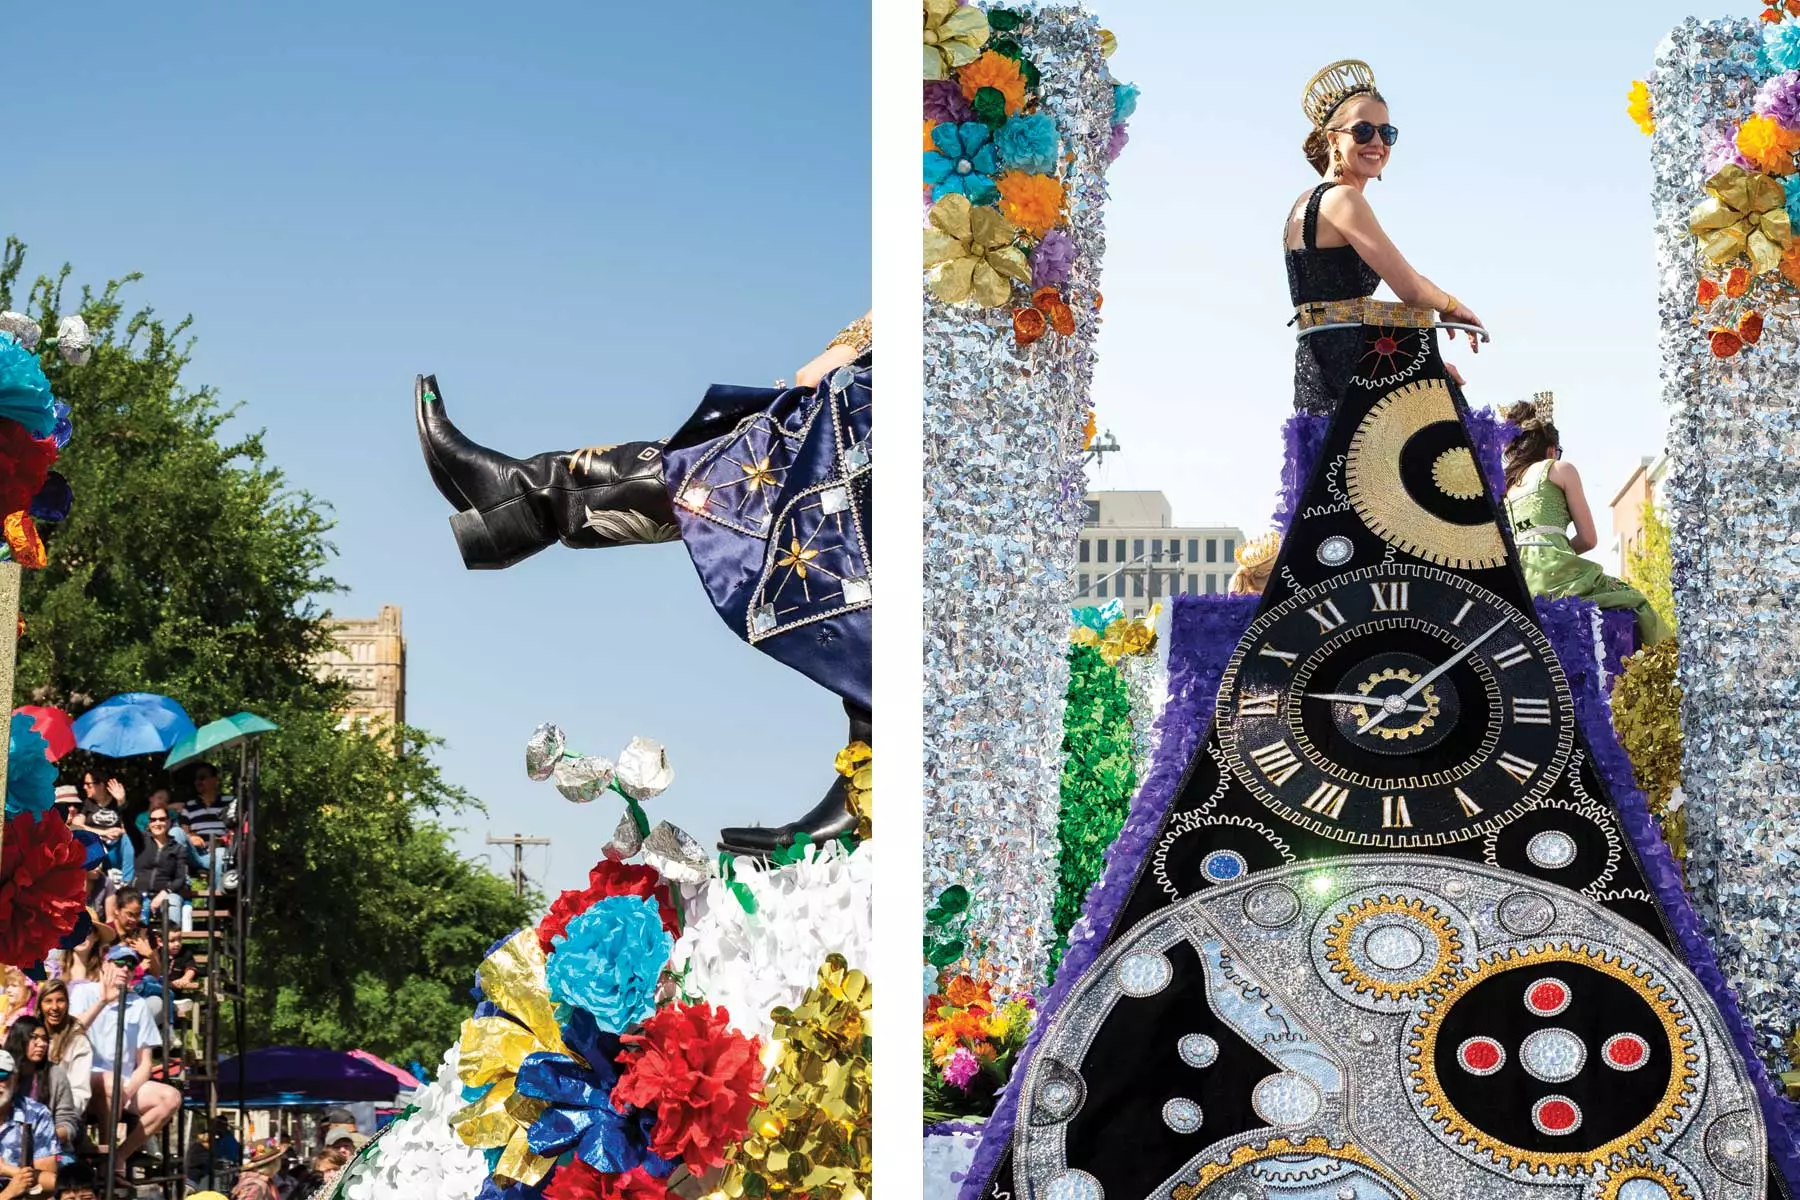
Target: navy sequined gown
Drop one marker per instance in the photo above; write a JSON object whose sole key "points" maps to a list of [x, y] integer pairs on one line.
{"points": [[1324, 361]]}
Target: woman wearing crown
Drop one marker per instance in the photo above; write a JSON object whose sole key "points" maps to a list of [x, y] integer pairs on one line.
{"points": [[1337, 252]]}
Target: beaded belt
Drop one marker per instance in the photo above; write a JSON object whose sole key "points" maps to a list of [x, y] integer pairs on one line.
{"points": [[1363, 311], [1538, 535]]}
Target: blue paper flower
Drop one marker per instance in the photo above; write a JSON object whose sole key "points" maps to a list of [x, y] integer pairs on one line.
{"points": [[1791, 185], [581, 1117], [1781, 46], [963, 162], [64, 428], [30, 775], [24, 392], [53, 500], [1125, 98], [1028, 144], [609, 961]]}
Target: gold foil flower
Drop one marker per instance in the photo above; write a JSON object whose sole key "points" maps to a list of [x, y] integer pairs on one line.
{"points": [[855, 763], [1124, 636], [1744, 212], [810, 1131], [492, 1048], [954, 36], [972, 249]]}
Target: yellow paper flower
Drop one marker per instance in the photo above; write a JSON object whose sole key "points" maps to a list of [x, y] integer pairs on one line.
{"points": [[491, 1050], [1108, 43], [999, 72], [972, 251], [1637, 106], [954, 36], [1744, 212], [1768, 145], [1032, 202], [855, 763]]}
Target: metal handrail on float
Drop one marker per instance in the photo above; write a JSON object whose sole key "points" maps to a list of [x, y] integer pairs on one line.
{"points": [[1472, 330]]}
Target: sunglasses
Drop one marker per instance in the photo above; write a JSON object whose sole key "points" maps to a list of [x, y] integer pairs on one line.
{"points": [[1364, 133]]}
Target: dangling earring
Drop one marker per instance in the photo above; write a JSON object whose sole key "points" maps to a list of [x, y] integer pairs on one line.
{"points": [[1337, 161]]}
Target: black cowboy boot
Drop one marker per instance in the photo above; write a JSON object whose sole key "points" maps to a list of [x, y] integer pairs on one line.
{"points": [[510, 508], [829, 818]]}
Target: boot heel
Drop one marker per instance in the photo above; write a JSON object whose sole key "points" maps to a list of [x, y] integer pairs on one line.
{"points": [[498, 538]]}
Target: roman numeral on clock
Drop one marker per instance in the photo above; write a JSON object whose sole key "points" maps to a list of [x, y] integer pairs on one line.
{"points": [[1391, 596], [1283, 655], [1327, 615], [1328, 800], [1394, 814], [1469, 807], [1512, 656], [1519, 768], [1258, 706], [1277, 762], [1529, 711], [1463, 612]]}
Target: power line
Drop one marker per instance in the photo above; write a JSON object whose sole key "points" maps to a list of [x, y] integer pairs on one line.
{"points": [[518, 842]]}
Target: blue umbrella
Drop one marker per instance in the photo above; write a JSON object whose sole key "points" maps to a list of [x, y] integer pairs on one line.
{"points": [[132, 723], [216, 736]]}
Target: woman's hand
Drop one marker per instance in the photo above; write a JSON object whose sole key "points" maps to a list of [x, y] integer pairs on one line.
{"points": [[116, 790], [1455, 375], [1463, 315], [814, 372]]}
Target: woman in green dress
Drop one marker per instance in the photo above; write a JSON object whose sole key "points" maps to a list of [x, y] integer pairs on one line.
{"points": [[1543, 498]]}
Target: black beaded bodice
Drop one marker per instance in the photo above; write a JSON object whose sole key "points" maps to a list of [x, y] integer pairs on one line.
{"points": [[1323, 361]]}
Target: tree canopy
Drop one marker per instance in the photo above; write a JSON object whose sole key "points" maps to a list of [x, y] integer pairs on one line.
{"points": [[190, 568]]}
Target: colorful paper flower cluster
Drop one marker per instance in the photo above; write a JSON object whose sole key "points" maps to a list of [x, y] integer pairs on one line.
{"points": [[993, 169], [43, 882], [972, 1040], [34, 427]]}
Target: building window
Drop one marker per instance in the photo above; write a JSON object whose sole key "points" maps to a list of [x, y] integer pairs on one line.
{"points": [[1119, 550], [1093, 513], [1174, 549], [1137, 614], [1212, 549], [1081, 584], [1137, 549], [1101, 545], [1193, 585], [1193, 549], [1137, 585], [1155, 549], [1100, 588], [1230, 549], [1084, 550], [1174, 583], [1212, 585]]}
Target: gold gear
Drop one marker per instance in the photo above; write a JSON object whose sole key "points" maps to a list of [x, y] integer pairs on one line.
{"points": [[1454, 473], [1343, 931], [1426, 719], [1615, 1180], [1372, 479], [1244, 1155], [1677, 1025]]}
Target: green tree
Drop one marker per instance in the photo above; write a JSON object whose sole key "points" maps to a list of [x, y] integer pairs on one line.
{"points": [[189, 568], [1649, 565]]}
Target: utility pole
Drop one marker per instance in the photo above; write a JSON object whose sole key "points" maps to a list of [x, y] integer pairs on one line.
{"points": [[1101, 446], [518, 842]]}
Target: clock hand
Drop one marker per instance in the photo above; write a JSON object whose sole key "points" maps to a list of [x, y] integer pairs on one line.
{"points": [[1430, 675], [1365, 701]]}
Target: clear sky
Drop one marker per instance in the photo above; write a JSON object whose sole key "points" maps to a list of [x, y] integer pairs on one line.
{"points": [[1518, 183], [578, 215]]}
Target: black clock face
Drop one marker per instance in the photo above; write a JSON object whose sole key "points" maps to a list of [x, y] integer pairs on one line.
{"points": [[1395, 706]]}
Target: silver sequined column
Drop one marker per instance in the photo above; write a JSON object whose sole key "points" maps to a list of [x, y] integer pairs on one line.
{"points": [[1734, 502], [1004, 491]]}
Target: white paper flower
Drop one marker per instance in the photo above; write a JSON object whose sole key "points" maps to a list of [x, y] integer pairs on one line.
{"points": [[583, 777], [420, 1157], [74, 342], [750, 963], [644, 769], [24, 330]]}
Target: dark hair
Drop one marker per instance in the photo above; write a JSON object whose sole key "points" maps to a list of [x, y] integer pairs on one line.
{"points": [[1317, 147], [24, 1070], [1535, 439]]}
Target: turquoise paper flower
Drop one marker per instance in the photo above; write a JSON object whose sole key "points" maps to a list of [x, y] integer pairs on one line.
{"points": [[24, 392], [1125, 98], [609, 961], [1028, 144], [30, 775], [963, 162], [1781, 46]]}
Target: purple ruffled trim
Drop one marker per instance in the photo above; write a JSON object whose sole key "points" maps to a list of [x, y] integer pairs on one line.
{"points": [[1302, 437], [1568, 624], [1203, 631], [1618, 633], [944, 1128], [1491, 436]]}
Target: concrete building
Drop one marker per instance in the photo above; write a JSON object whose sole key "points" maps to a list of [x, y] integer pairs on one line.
{"points": [[1132, 551], [1645, 484], [370, 656]]}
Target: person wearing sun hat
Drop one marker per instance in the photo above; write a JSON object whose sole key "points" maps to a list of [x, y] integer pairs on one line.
{"points": [[261, 1161]]}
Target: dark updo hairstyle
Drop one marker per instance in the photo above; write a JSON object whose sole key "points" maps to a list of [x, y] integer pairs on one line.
{"points": [[1317, 147], [1535, 439]]}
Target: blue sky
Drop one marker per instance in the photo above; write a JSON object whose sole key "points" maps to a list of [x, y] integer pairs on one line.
{"points": [[578, 216], [1518, 183]]}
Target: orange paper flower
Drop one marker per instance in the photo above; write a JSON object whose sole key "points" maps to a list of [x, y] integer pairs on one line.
{"points": [[1089, 430], [1032, 202], [929, 148], [1769, 147], [997, 71], [1737, 282], [1750, 327], [1725, 343], [1028, 325], [22, 538], [1708, 291], [1790, 264]]}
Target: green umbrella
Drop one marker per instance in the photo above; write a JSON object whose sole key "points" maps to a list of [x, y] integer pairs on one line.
{"points": [[214, 736]]}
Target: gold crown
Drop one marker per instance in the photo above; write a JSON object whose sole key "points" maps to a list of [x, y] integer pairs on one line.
{"points": [[1332, 86], [1257, 551], [1544, 405]]}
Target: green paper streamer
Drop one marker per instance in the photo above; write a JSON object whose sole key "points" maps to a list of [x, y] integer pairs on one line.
{"points": [[1098, 780], [989, 107]]}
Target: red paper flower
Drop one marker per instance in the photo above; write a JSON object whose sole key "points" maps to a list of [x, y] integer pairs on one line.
{"points": [[24, 464], [577, 1180], [608, 878], [1724, 342], [1737, 282], [1707, 292], [1750, 327], [42, 885], [700, 1076]]}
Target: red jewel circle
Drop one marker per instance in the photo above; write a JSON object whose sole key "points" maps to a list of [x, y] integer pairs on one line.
{"points": [[1481, 1056], [1386, 345], [1556, 1114], [1625, 1051], [1547, 997]]}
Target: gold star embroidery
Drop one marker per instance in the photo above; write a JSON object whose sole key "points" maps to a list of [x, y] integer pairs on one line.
{"points": [[582, 460], [796, 558], [758, 474]]}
